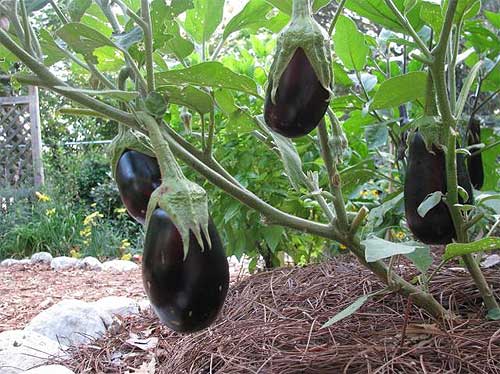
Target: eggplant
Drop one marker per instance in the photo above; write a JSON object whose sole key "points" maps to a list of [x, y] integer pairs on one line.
{"points": [[475, 163], [301, 100], [137, 176], [426, 173], [186, 294]]}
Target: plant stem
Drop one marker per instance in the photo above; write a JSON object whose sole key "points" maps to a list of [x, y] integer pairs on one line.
{"points": [[26, 28], [62, 17], [336, 17], [449, 122], [333, 175], [148, 41], [301, 8], [403, 21]]}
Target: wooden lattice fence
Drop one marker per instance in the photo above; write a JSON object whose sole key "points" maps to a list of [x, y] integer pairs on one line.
{"points": [[20, 141]]}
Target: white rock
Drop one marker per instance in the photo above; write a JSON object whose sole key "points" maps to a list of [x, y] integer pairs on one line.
{"points": [[9, 262], [71, 322], [490, 261], [64, 262], [119, 265], [41, 257], [21, 350], [117, 305], [90, 263], [144, 305], [50, 369], [24, 261]]}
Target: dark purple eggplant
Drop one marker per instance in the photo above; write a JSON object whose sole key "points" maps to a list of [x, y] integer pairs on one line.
{"points": [[301, 101], [426, 173], [475, 163], [137, 176], [186, 294]]}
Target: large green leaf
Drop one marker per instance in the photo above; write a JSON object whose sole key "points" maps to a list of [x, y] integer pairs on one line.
{"points": [[77, 8], [378, 249], [34, 5], [83, 39], [465, 9], [494, 18], [254, 15], [399, 90], [459, 249], [202, 21], [378, 12], [430, 201], [188, 96], [431, 14], [239, 120], [208, 74], [52, 52], [350, 44]]}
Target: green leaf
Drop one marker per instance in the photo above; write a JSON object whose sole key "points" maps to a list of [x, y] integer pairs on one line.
{"points": [[465, 9], [51, 50], [156, 105], [351, 309], [272, 236], [464, 93], [84, 39], [376, 215], [253, 14], [459, 249], [431, 14], [77, 8], [378, 12], [494, 314], [188, 96], [378, 249], [430, 201], [208, 74], [239, 119], [350, 44], [494, 18], [202, 21], [421, 258], [124, 96], [128, 39], [400, 90]]}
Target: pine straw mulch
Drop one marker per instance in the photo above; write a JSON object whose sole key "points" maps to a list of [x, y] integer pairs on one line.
{"points": [[26, 290], [271, 324]]}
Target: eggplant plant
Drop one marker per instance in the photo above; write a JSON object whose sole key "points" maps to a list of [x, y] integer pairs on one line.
{"points": [[173, 57]]}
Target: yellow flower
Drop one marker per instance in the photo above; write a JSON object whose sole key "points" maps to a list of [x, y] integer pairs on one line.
{"points": [[399, 235], [86, 232], [93, 205], [125, 244], [342, 247], [120, 210], [91, 218], [126, 257], [42, 197], [74, 253], [50, 212]]}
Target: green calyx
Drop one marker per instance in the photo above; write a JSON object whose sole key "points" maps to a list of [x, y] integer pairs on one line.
{"points": [[303, 32], [128, 139], [184, 201]]}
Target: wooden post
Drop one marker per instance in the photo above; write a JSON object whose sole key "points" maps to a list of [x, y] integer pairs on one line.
{"points": [[36, 136]]}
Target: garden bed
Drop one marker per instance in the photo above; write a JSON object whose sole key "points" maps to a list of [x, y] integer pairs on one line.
{"points": [[271, 323]]}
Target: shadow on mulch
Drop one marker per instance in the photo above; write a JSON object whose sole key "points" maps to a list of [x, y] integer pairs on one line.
{"points": [[271, 324]]}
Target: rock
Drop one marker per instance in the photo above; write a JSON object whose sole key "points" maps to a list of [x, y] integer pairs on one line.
{"points": [[119, 265], [491, 261], [64, 262], [9, 262], [144, 305], [49, 369], [71, 322], [41, 257], [24, 261], [117, 305], [22, 350], [90, 263]]}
